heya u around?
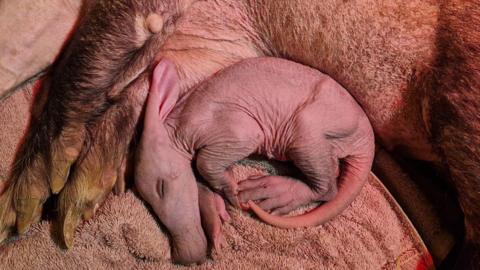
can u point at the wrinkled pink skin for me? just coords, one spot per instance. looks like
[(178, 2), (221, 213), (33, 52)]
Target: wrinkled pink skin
[(267, 106)]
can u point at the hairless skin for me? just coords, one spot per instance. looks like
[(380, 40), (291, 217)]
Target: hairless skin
[(310, 119), (411, 65)]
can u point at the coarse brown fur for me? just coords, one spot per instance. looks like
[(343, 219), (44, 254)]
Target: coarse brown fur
[(454, 111), (412, 65)]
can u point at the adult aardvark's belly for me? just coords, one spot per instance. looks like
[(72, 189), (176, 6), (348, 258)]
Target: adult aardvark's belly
[(379, 51), (398, 124), (394, 109)]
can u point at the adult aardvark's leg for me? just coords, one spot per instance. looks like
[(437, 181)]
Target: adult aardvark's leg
[(77, 143)]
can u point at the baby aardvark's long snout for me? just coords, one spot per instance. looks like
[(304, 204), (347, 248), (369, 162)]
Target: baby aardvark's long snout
[(164, 177)]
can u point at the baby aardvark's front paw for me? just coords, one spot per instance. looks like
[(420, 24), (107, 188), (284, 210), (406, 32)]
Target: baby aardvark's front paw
[(214, 214)]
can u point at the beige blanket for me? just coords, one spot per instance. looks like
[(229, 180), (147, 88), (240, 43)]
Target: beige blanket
[(373, 233), (31, 35)]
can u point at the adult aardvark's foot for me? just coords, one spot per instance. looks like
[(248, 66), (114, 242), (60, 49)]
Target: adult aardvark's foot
[(75, 156), (87, 115)]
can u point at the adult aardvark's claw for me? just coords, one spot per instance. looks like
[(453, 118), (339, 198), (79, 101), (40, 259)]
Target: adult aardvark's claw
[(97, 171), (43, 167), (81, 196), (64, 155), (28, 211), (7, 215)]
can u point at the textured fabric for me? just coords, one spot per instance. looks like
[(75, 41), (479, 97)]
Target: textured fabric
[(373, 233), (31, 35)]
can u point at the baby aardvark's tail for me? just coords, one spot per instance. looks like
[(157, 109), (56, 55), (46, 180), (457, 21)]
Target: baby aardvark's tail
[(353, 176)]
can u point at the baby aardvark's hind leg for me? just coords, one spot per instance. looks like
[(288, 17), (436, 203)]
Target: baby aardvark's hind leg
[(278, 194), (281, 194)]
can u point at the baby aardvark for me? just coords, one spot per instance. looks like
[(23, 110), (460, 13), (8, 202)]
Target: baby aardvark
[(267, 106)]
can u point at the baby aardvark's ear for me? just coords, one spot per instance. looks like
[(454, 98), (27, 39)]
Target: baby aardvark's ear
[(163, 93)]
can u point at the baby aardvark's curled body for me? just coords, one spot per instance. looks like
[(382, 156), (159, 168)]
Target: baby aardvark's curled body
[(267, 106)]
